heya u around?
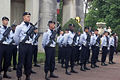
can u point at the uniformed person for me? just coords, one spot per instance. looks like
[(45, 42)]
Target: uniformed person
[(60, 46), (112, 44), (85, 42), (49, 46), (25, 47), (4, 49), (13, 46), (89, 49), (35, 48), (105, 48), (69, 55), (95, 45), (64, 48), (77, 46)]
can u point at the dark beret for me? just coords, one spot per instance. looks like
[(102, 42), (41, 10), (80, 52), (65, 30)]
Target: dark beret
[(72, 25), (51, 22), (5, 18), (86, 28), (26, 13), (96, 30)]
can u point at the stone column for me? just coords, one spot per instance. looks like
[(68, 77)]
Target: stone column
[(48, 11), (5, 9), (69, 10), (32, 6), (80, 11)]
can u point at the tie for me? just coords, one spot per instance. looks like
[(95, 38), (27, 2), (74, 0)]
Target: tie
[(27, 23), (5, 26), (107, 40), (88, 38), (115, 41)]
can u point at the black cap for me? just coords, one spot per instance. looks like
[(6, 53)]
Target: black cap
[(5, 18), (86, 28), (72, 25), (96, 30), (66, 29), (26, 13), (51, 22), (113, 34), (105, 32)]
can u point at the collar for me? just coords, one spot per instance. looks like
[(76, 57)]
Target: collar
[(23, 23), (3, 27)]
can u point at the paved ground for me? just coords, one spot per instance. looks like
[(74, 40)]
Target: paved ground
[(111, 72)]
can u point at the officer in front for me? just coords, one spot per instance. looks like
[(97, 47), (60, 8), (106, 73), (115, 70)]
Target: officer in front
[(49, 47), (85, 42), (25, 48), (69, 55), (4, 49)]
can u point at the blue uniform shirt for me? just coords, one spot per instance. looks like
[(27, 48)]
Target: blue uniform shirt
[(2, 30), (60, 40), (68, 38), (112, 41), (104, 41), (46, 39), (12, 34), (20, 33), (93, 40), (83, 38)]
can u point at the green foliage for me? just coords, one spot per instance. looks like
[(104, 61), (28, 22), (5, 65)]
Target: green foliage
[(104, 11), (72, 21), (117, 30)]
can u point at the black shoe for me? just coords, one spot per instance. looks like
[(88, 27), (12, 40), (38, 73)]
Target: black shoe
[(19, 79), (96, 66), (9, 69), (53, 76), (0, 77), (36, 65), (92, 66), (14, 68), (62, 66), (103, 64), (86, 68), (73, 71), (46, 77), (55, 68), (33, 72), (27, 78), (110, 62), (68, 73), (82, 68), (113, 62), (6, 76)]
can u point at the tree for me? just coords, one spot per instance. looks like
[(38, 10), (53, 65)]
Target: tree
[(103, 11)]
